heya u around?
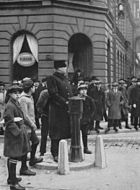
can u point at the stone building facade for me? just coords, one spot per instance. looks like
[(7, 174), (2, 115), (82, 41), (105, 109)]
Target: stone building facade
[(88, 34), (135, 7)]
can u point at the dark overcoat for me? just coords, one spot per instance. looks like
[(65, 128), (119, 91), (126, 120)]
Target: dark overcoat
[(125, 106), (135, 99), (113, 102), (99, 98), (60, 91), (88, 111), (16, 143)]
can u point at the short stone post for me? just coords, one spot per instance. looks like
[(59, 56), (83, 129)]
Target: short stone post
[(63, 163), (100, 157)]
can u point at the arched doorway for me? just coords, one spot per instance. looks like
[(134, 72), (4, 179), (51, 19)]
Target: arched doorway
[(25, 56), (80, 54)]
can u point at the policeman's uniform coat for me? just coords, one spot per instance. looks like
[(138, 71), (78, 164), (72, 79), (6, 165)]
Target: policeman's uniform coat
[(16, 143), (60, 91)]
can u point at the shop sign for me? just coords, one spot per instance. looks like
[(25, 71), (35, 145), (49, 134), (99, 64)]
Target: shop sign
[(26, 59)]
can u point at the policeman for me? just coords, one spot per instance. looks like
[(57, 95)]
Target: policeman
[(59, 90)]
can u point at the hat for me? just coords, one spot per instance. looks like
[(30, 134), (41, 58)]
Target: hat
[(82, 86), (134, 80), (94, 78), (121, 81), (59, 64), (45, 79), (98, 81), (114, 84), (27, 82), (14, 88)]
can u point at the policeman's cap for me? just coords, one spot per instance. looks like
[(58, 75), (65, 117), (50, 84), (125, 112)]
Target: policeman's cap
[(59, 64)]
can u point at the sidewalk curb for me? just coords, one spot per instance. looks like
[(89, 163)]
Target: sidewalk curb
[(129, 136), (49, 164)]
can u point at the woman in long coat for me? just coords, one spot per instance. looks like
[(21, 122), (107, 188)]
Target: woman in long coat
[(16, 142), (59, 91)]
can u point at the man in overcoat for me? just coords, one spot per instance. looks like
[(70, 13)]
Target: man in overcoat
[(99, 97), (125, 106), (129, 90), (135, 103), (90, 92), (114, 102), (60, 91)]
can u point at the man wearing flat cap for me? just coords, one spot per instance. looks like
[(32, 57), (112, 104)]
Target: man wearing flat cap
[(27, 104), (98, 95), (59, 90)]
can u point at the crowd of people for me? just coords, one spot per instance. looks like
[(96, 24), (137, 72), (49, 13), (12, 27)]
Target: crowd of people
[(29, 105)]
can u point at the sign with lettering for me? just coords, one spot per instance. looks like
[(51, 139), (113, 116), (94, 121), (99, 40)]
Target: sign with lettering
[(26, 59)]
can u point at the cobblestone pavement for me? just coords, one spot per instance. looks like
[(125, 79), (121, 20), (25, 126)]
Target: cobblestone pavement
[(122, 171)]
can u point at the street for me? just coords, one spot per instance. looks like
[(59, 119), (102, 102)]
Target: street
[(122, 171)]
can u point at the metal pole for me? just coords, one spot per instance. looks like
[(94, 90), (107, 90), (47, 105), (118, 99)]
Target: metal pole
[(75, 110)]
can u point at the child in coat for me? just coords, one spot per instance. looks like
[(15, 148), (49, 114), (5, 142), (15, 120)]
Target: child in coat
[(87, 116)]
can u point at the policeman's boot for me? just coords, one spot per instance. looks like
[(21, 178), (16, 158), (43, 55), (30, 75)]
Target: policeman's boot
[(12, 172), (18, 179), (33, 159), (97, 127)]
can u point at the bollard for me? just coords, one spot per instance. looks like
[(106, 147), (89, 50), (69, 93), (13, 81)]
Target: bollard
[(63, 163), (100, 157), (75, 110)]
